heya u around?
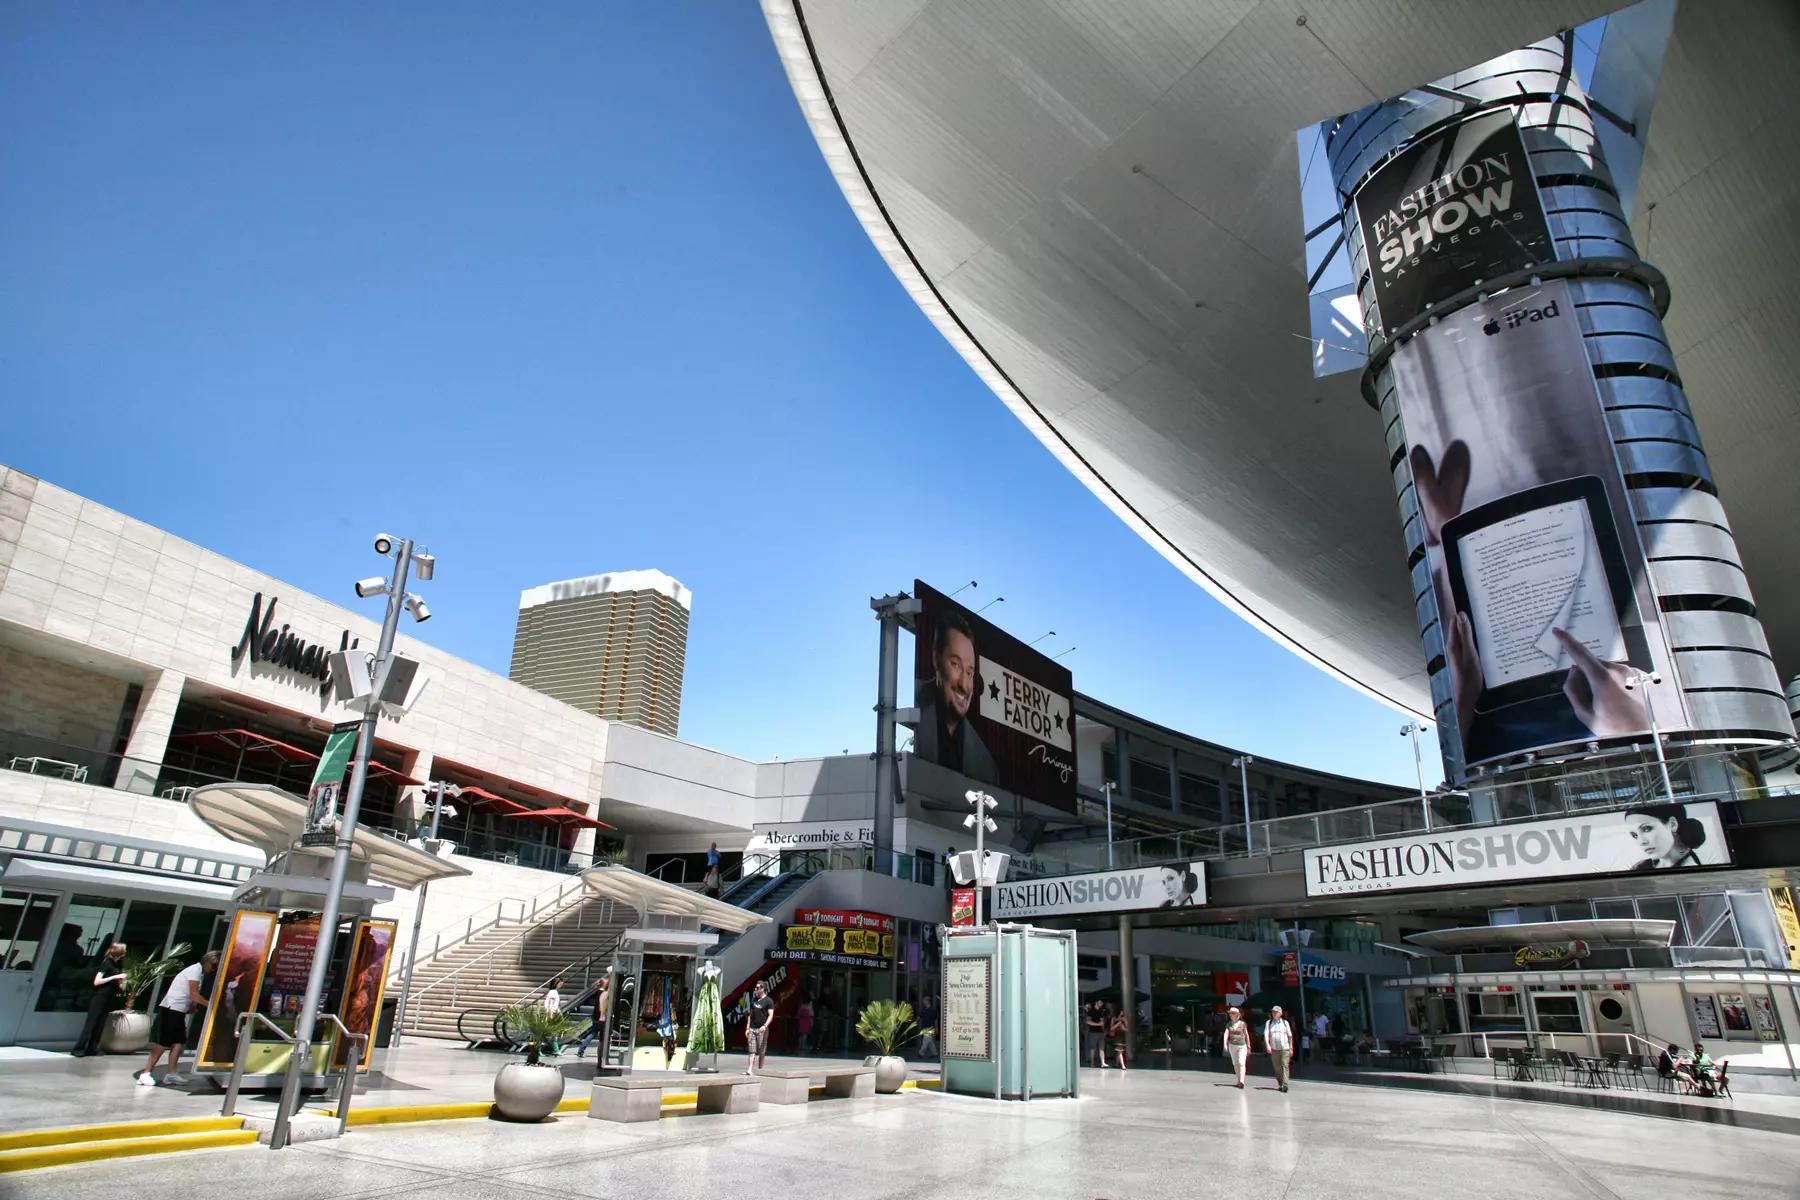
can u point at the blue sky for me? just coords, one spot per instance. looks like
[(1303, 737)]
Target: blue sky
[(555, 289)]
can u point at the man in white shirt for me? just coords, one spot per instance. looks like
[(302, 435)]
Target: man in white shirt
[(184, 998), (1278, 1039), (1321, 1035)]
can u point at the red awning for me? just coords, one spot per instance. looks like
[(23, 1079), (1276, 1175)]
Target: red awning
[(562, 816), (376, 768), (243, 741), (482, 798)]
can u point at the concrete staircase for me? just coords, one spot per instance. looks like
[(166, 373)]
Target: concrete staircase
[(511, 961)]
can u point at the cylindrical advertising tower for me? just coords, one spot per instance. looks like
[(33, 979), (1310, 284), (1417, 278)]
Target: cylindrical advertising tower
[(1576, 580)]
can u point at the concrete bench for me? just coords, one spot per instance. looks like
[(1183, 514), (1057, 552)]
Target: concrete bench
[(793, 1087), (626, 1098)]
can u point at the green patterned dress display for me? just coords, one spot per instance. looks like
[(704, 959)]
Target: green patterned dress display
[(706, 1033)]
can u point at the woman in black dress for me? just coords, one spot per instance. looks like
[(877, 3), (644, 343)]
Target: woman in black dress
[(109, 978)]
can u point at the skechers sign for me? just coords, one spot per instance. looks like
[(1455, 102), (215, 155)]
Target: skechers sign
[(1650, 838), (1451, 210), (1179, 885)]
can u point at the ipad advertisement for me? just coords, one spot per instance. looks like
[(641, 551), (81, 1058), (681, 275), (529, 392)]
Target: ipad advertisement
[(991, 707), (1535, 566), (1651, 837)]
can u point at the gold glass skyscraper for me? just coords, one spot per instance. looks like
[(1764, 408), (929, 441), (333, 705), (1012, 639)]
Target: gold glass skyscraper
[(614, 645)]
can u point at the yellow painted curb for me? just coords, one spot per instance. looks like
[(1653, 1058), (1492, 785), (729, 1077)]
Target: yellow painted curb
[(78, 1152), (111, 1133)]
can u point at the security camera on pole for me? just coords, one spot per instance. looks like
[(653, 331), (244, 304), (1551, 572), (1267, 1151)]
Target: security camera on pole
[(979, 866), (371, 683)]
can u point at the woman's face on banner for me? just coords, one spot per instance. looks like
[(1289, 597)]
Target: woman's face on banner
[(1172, 883), (1655, 838)]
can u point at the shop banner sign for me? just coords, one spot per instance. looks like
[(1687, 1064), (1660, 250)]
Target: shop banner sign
[(808, 835), (361, 1006), (235, 987), (967, 1008), (328, 782), (838, 918), (1534, 595), (1550, 954), (1138, 889), (1783, 900), (1653, 837), (1446, 213), (1321, 976), (836, 945)]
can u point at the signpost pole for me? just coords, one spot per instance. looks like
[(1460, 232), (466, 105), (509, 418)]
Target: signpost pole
[(1414, 728), (887, 610), (300, 1056), (1108, 787), (1242, 763)]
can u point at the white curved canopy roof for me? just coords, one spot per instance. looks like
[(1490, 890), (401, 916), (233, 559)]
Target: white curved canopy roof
[(1098, 205), (264, 816), (652, 897), (1603, 933)]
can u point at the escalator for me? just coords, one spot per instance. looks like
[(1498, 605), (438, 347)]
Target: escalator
[(761, 894)]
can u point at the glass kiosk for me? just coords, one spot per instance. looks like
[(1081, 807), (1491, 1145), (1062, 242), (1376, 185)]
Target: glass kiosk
[(273, 936)]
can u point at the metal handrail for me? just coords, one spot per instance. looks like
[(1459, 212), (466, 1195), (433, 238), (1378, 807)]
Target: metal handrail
[(606, 918), (470, 929), (278, 1136)]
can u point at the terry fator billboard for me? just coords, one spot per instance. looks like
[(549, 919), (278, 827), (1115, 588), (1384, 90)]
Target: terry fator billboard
[(990, 707)]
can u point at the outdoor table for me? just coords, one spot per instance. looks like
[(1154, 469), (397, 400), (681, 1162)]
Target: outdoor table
[(1522, 1068), (1590, 1075), (67, 770)]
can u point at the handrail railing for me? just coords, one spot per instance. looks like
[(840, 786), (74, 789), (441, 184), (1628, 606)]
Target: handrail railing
[(279, 1134), (1608, 789), (440, 942), (1535, 1039), (415, 1009)]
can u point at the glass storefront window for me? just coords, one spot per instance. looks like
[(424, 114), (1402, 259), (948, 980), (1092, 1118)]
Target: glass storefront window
[(1494, 1012), (87, 929), (1558, 1014), (201, 928), (23, 918)]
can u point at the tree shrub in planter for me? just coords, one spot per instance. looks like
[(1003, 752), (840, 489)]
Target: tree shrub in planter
[(128, 1029), (888, 1025), (531, 1090)]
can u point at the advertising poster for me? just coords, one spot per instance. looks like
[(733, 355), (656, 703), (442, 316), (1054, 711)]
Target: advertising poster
[(1449, 211), (362, 992), (328, 782), (1783, 900), (962, 906), (990, 707), (967, 1008), (1650, 837), (1297, 965), (294, 946), (1734, 1015), (236, 987), (1542, 596), (1136, 889), (1767, 1029), (1706, 1017), (838, 938)]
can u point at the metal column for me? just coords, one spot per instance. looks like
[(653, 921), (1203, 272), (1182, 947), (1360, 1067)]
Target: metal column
[(1128, 985)]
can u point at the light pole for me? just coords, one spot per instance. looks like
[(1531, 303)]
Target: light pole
[(1108, 787), (437, 791), (1647, 678), (982, 824), (1242, 763), (401, 550), (1415, 729)]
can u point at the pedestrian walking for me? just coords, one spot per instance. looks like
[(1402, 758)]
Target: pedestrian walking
[(1278, 1040), (1237, 1043), (928, 1047), (602, 986), (171, 1029), (803, 1022), (756, 1033), (1093, 1034), (109, 978), (1117, 1031), (709, 884)]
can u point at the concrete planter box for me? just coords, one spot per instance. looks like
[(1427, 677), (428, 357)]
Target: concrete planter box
[(126, 1032), (527, 1093)]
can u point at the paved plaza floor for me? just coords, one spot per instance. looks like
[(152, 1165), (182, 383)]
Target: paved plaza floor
[(1138, 1136)]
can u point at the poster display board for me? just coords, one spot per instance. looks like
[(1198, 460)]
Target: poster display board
[(1768, 1026), (236, 986), (363, 989), (1534, 592), (1706, 1017), (990, 707), (1652, 837), (968, 1008)]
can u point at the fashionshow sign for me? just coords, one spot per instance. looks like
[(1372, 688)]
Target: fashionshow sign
[(1136, 890), (1656, 837)]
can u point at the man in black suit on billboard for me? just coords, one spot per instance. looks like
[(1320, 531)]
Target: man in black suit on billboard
[(945, 735)]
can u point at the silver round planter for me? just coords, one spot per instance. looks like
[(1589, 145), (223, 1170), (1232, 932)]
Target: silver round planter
[(527, 1093), (126, 1032)]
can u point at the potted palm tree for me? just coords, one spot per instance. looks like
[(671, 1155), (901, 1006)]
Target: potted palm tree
[(128, 1029), (888, 1025), (531, 1090)]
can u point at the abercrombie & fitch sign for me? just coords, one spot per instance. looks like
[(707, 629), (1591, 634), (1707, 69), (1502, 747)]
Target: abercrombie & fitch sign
[(264, 642)]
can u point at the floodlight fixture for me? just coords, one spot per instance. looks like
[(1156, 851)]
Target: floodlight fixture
[(423, 566), (417, 608), (384, 543), (374, 585)]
